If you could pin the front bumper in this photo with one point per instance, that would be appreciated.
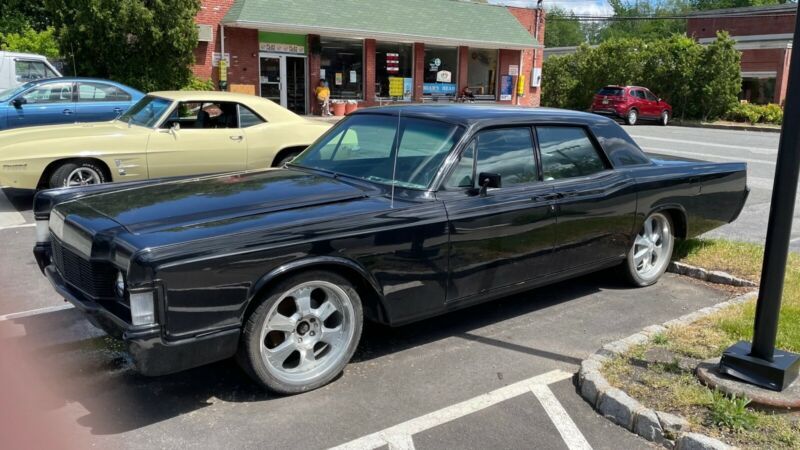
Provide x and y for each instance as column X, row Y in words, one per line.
column 151, row 353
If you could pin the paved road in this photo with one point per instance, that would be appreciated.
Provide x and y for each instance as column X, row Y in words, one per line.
column 758, row 149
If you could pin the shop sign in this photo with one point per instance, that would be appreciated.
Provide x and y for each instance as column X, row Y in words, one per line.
column 433, row 66
column 393, row 62
column 439, row 88
column 444, row 76
column 216, row 56
column 396, row 87
column 513, row 70
column 274, row 47
column 506, row 87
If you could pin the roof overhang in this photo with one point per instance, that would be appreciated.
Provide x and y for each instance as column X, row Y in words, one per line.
column 338, row 32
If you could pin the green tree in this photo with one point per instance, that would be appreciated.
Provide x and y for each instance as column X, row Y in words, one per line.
column 31, row 41
column 721, row 76
column 148, row 44
column 645, row 29
column 16, row 16
column 563, row 29
column 722, row 4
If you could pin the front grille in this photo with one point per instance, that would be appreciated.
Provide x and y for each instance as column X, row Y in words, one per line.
column 95, row 279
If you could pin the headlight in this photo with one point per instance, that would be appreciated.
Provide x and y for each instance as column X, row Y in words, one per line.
column 42, row 231
column 119, row 285
column 142, row 308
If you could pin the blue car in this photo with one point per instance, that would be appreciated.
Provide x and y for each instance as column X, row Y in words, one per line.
column 64, row 100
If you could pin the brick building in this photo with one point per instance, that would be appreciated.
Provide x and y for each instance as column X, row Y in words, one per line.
column 372, row 51
column 764, row 36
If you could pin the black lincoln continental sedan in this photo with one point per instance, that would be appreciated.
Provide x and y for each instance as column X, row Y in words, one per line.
column 395, row 215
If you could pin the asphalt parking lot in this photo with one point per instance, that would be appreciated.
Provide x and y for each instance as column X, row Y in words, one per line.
column 498, row 375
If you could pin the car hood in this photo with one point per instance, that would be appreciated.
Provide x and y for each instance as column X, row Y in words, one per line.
column 174, row 205
column 68, row 131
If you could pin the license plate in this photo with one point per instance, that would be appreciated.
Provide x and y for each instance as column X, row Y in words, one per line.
column 605, row 101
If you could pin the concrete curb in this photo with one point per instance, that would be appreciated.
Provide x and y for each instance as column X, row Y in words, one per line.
column 712, row 276
column 737, row 127
column 656, row 426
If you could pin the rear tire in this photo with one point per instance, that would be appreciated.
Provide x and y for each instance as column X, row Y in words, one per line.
column 81, row 173
column 651, row 251
column 632, row 117
column 288, row 157
column 303, row 333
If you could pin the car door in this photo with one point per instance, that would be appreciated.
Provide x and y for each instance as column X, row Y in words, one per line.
column 97, row 101
column 596, row 204
column 503, row 236
column 653, row 104
column 46, row 104
column 197, row 137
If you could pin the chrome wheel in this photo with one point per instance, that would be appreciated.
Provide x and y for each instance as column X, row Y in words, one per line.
column 652, row 248
column 82, row 176
column 664, row 117
column 307, row 332
column 633, row 116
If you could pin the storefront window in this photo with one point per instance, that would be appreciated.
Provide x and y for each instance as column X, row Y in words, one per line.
column 441, row 71
column 482, row 71
column 342, row 66
column 394, row 70
column 758, row 90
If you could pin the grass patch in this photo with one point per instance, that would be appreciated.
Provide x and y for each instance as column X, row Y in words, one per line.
column 669, row 385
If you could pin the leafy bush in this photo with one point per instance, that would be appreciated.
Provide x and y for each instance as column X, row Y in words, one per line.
column 748, row 112
column 199, row 84
column 698, row 81
column 31, row 41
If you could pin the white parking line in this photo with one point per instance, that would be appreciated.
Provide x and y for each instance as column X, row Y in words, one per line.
column 24, row 225
column 35, row 312
column 761, row 150
column 669, row 151
column 400, row 436
column 8, row 214
column 558, row 415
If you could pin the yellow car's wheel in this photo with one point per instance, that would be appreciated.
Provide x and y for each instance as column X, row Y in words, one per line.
column 80, row 173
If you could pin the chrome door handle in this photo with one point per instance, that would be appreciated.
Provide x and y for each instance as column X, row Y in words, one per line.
column 67, row 112
column 236, row 138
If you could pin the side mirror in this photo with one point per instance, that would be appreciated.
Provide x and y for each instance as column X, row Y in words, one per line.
column 659, row 99
column 488, row 180
column 19, row 101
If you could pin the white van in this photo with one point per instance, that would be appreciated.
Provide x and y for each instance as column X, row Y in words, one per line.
column 19, row 68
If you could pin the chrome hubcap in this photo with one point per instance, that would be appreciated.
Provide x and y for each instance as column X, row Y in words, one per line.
column 82, row 176
column 307, row 332
column 651, row 247
column 632, row 117
column 665, row 117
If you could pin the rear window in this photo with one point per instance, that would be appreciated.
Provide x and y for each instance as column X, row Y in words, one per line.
column 610, row 91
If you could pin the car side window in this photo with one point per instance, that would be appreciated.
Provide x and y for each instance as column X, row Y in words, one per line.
column 507, row 152
column 247, row 118
column 203, row 115
column 49, row 93
column 32, row 70
column 101, row 92
column 650, row 96
column 567, row 152
column 639, row 94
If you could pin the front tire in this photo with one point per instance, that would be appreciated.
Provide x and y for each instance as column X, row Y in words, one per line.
column 632, row 117
column 651, row 251
column 286, row 158
column 81, row 173
column 303, row 333
column 664, row 118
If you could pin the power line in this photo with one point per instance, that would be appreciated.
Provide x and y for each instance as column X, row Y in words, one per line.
column 585, row 18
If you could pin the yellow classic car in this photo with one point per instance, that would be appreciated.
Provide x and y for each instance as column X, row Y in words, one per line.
column 176, row 133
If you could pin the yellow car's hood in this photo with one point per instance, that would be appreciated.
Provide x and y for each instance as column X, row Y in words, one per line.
column 69, row 131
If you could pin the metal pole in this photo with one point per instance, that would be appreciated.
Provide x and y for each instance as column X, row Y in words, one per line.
column 760, row 363
column 779, row 230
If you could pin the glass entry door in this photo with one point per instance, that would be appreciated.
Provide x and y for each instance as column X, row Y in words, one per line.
column 283, row 80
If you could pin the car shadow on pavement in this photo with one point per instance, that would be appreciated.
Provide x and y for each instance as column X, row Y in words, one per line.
column 95, row 374
column 21, row 200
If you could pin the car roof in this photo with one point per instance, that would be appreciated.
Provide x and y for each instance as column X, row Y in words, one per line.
column 21, row 55
column 264, row 107
column 471, row 114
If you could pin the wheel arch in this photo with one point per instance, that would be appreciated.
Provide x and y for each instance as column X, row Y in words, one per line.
column 677, row 215
column 367, row 287
column 285, row 151
column 53, row 165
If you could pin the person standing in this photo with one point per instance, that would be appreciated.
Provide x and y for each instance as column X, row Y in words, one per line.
column 323, row 94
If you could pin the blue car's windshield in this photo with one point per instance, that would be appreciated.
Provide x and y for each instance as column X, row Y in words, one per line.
column 146, row 111
column 364, row 146
column 7, row 94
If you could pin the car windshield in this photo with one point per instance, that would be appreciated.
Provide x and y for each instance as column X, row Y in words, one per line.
column 6, row 94
column 146, row 111
column 610, row 91
column 364, row 146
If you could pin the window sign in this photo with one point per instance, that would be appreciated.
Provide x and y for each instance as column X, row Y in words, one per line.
column 408, row 88
column 395, row 87
column 444, row 76
column 281, row 48
column 506, row 87
column 353, row 76
column 322, row 73
column 513, row 70
column 439, row 88
column 433, row 66
column 394, row 62
column 339, row 78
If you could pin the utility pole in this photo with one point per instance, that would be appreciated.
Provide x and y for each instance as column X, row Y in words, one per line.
column 760, row 363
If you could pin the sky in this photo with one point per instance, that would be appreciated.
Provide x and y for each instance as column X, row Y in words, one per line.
column 588, row 7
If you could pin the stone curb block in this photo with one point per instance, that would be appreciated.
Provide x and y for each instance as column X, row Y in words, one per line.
column 620, row 408
column 712, row 276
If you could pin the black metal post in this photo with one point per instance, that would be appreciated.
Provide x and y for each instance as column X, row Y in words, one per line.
column 761, row 363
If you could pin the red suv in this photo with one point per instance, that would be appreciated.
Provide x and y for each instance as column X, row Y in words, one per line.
column 632, row 103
